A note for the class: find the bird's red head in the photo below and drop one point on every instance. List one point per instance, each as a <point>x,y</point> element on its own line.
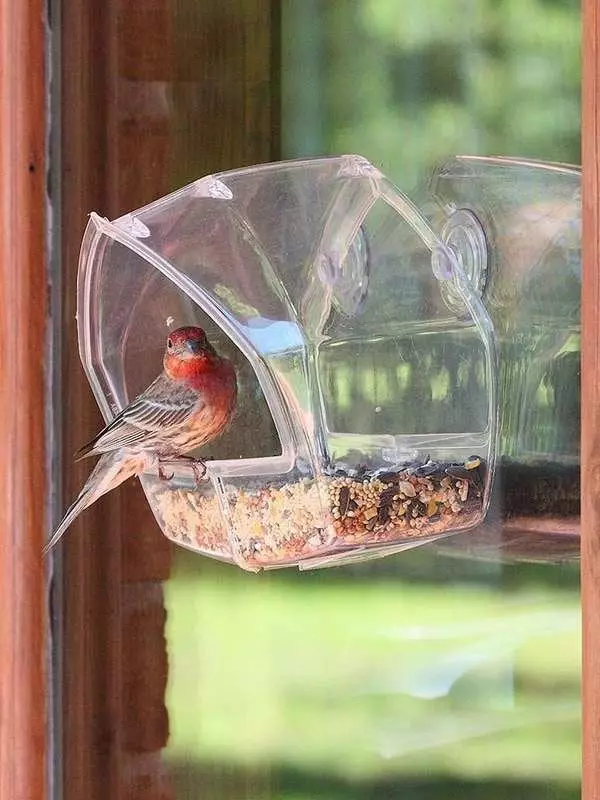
<point>188,351</point>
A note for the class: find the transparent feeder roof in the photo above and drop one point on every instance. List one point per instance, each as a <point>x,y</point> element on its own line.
<point>267,251</point>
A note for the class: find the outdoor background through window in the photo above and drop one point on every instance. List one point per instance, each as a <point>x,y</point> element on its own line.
<point>422,675</point>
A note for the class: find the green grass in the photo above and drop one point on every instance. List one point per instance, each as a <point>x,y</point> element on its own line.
<point>361,680</point>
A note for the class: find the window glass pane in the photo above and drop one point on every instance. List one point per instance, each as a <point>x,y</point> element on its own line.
<point>428,674</point>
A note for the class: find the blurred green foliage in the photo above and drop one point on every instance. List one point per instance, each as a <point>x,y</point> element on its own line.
<point>409,84</point>
<point>362,681</point>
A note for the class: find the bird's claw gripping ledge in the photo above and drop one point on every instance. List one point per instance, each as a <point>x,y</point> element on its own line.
<point>197,464</point>
<point>163,475</point>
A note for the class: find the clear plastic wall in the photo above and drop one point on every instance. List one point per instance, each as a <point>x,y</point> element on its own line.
<point>317,278</point>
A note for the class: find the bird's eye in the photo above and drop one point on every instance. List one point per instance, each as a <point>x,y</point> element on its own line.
<point>169,343</point>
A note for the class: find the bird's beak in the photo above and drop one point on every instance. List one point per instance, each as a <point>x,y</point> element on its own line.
<point>194,347</point>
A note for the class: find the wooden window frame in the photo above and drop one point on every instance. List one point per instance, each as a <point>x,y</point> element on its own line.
<point>116,156</point>
<point>23,355</point>
<point>590,401</point>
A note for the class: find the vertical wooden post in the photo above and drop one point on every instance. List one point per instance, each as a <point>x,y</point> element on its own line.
<point>590,401</point>
<point>115,157</point>
<point>23,354</point>
<point>152,94</point>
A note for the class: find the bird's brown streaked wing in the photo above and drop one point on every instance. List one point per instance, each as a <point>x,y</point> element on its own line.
<point>161,407</point>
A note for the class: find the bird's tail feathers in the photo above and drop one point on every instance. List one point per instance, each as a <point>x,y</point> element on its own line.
<point>108,473</point>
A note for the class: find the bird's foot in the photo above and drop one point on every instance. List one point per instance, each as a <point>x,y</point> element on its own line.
<point>162,474</point>
<point>198,466</point>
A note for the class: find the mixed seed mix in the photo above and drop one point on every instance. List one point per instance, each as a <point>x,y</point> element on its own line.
<point>192,519</point>
<point>290,522</point>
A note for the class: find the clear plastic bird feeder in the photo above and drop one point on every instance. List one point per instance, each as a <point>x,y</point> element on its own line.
<point>367,413</point>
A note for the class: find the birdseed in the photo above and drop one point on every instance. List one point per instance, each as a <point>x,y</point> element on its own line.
<point>286,523</point>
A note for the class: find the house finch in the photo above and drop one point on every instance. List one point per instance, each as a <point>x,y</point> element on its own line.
<point>188,405</point>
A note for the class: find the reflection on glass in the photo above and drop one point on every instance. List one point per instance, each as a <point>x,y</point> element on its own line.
<point>422,676</point>
<point>450,679</point>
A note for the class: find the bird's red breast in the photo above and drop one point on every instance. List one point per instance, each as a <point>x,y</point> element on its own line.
<point>214,380</point>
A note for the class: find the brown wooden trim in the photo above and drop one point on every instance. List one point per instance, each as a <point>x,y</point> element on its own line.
<point>23,331</point>
<point>590,401</point>
<point>125,143</point>
<point>114,158</point>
